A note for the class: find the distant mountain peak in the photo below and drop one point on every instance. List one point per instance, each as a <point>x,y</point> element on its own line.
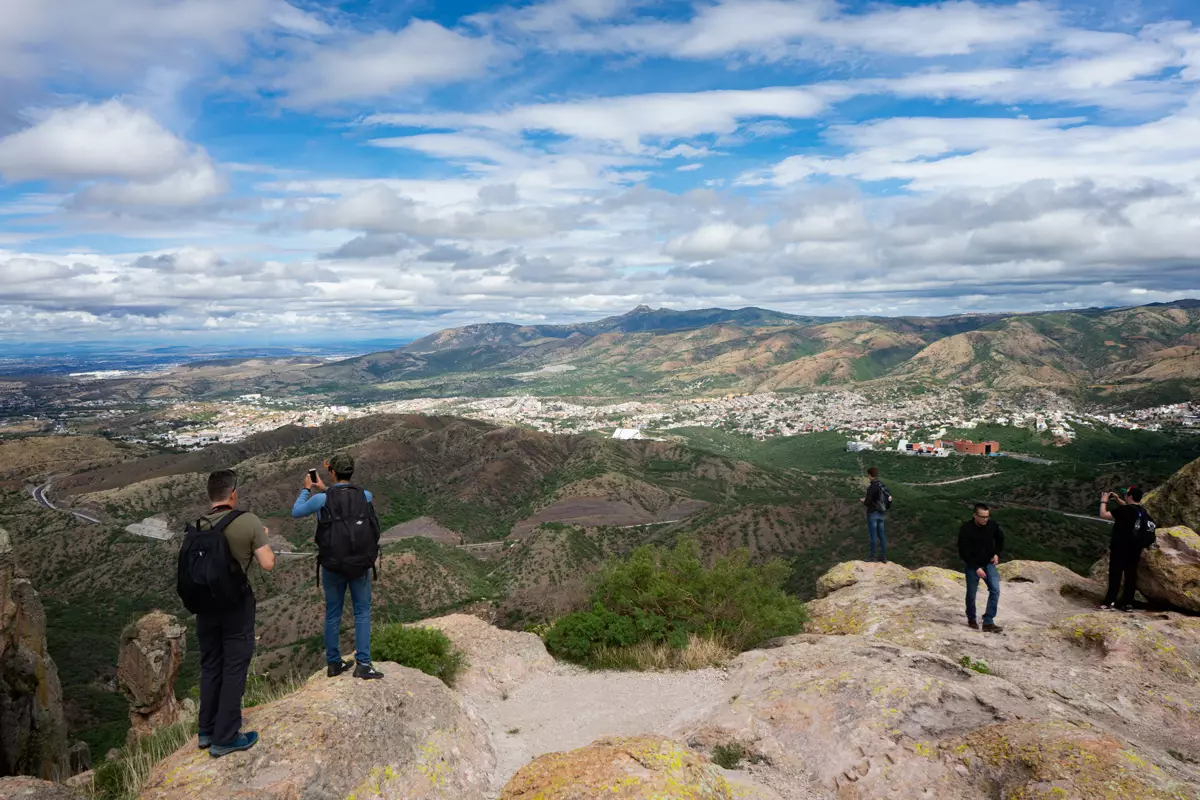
<point>642,309</point>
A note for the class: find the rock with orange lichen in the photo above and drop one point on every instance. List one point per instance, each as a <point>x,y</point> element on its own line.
<point>632,768</point>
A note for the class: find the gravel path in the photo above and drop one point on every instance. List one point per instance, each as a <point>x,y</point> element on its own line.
<point>570,707</point>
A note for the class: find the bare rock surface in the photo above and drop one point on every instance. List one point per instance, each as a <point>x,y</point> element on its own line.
<point>152,651</point>
<point>633,768</point>
<point>497,660</point>
<point>32,729</point>
<point>404,737</point>
<point>422,527</point>
<point>1177,502</point>
<point>34,789</point>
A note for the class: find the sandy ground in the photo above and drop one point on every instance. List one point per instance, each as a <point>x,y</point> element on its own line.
<point>569,707</point>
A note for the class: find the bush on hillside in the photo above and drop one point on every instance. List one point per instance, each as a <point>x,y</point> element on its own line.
<point>426,649</point>
<point>668,597</point>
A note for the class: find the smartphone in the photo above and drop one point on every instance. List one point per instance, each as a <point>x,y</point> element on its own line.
<point>312,475</point>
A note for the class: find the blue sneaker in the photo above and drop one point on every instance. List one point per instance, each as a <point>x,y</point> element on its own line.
<point>244,741</point>
<point>205,740</point>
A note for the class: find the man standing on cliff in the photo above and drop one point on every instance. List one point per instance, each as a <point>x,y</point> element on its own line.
<point>1132,531</point>
<point>216,553</point>
<point>980,541</point>
<point>877,501</point>
<point>348,547</point>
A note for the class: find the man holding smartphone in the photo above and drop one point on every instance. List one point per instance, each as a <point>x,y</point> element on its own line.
<point>348,547</point>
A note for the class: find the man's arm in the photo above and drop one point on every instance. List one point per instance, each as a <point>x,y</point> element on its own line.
<point>308,503</point>
<point>265,557</point>
<point>998,540</point>
<point>872,496</point>
<point>962,546</point>
<point>1104,512</point>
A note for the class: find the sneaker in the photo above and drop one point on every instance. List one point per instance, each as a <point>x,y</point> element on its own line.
<point>244,741</point>
<point>204,740</point>
<point>883,561</point>
<point>1126,609</point>
<point>992,628</point>
<point>1106,606</point>
<point>336,668</point>
<point>972,624</point>
<point>367,672</point>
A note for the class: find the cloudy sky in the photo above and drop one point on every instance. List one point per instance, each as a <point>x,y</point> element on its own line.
<point>260,168</point>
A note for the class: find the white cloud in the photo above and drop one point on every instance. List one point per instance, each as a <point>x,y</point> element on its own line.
<point>379,64</point>
<point>111,140</point>
<point>632,119</point>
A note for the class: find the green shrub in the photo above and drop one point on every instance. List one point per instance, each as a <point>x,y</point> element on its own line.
<point>979,666</point>
<point>668,597</point>
<point>426,649</point>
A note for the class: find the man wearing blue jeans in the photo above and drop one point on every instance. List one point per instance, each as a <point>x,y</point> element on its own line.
<point>980,541</point>
<point>877,501</point>
<point>346,561</point>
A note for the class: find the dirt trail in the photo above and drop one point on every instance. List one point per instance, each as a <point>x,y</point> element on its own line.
<point>569,707</point>
<point>956,480</point>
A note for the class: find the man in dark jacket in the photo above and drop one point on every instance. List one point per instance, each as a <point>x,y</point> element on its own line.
<point>980,541</point>
<point>877,501</point>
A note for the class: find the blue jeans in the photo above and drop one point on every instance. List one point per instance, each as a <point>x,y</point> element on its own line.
<point>335,598</point>
<point>875,531</point>
<point>993,586</point>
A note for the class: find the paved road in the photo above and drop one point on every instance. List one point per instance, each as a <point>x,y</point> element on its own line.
<point>43,499</point>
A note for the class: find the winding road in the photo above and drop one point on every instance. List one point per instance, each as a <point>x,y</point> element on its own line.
<point>43,499</point>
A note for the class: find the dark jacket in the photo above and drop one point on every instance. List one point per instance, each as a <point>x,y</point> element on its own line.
<point>977,545</point>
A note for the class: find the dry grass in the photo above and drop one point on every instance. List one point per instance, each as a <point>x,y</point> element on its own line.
<point>123,778</point>
<point>701,652</point>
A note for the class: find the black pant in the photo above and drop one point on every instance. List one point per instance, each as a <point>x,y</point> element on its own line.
<point>1123,560</point>
<point>226,647</point>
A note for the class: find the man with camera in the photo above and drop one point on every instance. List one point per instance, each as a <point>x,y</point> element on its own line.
<point>1133,531</point>
<point>348,547</point>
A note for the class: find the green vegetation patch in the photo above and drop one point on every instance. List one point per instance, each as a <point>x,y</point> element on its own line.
<point>427,649</point>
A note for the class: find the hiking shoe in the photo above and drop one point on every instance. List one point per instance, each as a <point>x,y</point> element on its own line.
<point>244,741</point>
<point>992,628</point>
<point>204,740</point>
<point>1126,609</point>
<point>367,672</point>
<point>336,668</point>
<point>972,624</point>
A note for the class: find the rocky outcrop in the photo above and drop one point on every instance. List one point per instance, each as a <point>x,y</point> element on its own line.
<point>32,729</point>
<point>1177,502</point>
<point>497,660</point>
<point>891,695</point>
<point>34,789</point>
<point>633,768</point>
<point>1168,574</point>
<point>152,650</point>
<point>404,736</point>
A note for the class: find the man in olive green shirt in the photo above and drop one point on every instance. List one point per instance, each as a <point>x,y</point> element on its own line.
<point>227,640</point>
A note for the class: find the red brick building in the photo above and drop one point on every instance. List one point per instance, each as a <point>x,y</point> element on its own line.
<point>969,448</point>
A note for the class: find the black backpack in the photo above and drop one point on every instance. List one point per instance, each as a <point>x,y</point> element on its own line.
<point>209,580</point>
<point>347,532</point>
<point>883,500</point>
<point>1145,530</point>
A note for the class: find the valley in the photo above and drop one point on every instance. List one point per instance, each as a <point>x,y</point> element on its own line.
<point>538,512</point>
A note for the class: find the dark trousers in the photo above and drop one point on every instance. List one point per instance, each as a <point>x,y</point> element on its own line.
<point>226,647</point>
<point>1123,562</point>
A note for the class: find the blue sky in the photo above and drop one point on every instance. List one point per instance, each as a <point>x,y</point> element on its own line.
<point>212,169</point>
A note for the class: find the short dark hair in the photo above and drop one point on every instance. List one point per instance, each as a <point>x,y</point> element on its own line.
<point>221,484</point>
<point>873,472</point>
<point>1135,494</point>
<point>982,507</point>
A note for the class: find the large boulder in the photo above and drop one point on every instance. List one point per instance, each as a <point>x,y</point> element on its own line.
<point>497,660</point>
<point>34,789</point>
<point>632,768</point>
<point>403,737</point>
<point>1169,574</point>
<point>32,728</point>
<point>152,650</point>
<point>1177,502</point>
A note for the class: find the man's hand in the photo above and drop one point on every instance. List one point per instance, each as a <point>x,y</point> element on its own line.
<point>981,572</point>
<point>996,560</point>
<point>308,482</point>
<point>862,500</point>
